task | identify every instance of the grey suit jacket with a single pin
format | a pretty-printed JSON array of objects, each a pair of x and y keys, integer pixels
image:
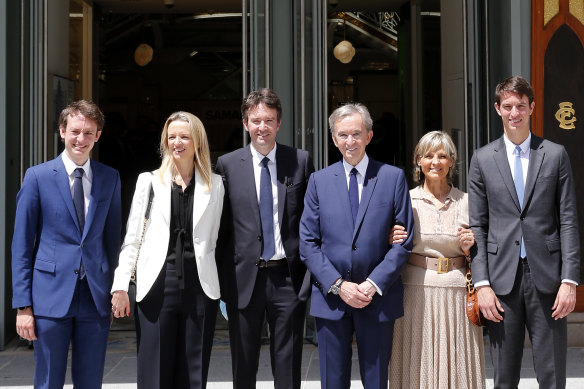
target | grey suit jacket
[{"x": 548, "y": 221}]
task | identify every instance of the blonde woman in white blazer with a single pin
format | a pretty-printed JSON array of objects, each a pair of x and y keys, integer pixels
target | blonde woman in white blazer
[{"x": 177, "y": 285}]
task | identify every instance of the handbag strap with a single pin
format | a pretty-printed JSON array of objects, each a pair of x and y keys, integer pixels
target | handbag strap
[
  {"x": 146, "y": 218},
  {"x": 469, "y": 285}
]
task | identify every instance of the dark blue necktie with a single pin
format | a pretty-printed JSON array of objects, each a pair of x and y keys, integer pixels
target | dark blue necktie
[
  {"x": 79, "y": 198},
  {"x": 267, "y": 212},
  {"x": 354, "y": 194},
  {"x": 79, "y": 202},
  {"x": 519, "y": 187}
]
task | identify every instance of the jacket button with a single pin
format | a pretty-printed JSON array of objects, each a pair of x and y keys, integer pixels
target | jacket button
[
  {"x": 522, "y": 218},
  {"x": 260, "y": 238},
  {"x": 76, "y": 271},
  {"x": 81, "y": 245},
  {"x": 517, "y": 243},
  {"x": 354, "y": 247}
]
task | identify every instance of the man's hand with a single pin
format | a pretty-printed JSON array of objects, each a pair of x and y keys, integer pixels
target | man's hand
[
  {"x": 25, "y": 327},
  {"x": 367, "y": 288},
  {"x": 565, "y": 301},
  {"x": 352, "y": 294},
  {"x": 489, "y": 304}
]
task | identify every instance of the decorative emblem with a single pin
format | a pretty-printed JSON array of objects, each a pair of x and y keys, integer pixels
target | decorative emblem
[{"x": 565, "y": 116}]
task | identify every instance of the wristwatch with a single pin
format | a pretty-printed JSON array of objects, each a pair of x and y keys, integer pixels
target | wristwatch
[
  {"x": 336, "y": 287},
  {"x": 23, "y": 308}
]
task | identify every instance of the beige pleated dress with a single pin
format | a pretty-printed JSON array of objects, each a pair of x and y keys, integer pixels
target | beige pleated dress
[{"x": 434, "y": 344}]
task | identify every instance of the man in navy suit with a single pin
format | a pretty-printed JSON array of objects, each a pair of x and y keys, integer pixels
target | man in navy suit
[
  {"x": 260, "y": 270},
  {"x": 64, "y": 251},
  {"x": 349, "y": 209}
]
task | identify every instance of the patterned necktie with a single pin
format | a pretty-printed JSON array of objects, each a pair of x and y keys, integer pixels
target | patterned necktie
[
  {"x": 267, "y": 212},
  {"x": 79, "y": 202},
  {"x": 519, "y": 187},
  {"x": 354, "y": 194}
]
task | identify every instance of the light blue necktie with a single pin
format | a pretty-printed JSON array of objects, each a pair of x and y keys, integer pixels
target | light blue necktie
[
  {"x": 267, "y": 212},
  {"x": 519, "y": 187}
]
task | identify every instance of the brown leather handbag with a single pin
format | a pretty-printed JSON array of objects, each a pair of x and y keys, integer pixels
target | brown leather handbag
[{"x": 472, "y": 304}]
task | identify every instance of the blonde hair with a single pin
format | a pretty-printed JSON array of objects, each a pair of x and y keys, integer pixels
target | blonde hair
[
  {"x": 202, "y": 159},
  {"x": 433, "y": 141}
]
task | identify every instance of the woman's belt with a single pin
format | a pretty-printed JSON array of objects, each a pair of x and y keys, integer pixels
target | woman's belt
[{"x": 440, "y": 265}]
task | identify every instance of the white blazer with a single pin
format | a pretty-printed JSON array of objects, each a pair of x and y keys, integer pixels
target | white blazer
[{"x": 207, "y": 208}]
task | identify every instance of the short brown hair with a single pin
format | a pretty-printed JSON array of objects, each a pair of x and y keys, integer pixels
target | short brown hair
[
  {"x": 262, "y": 96},
  {"x": 516, "y": 84},
  {"x": 85, "y": 107}
]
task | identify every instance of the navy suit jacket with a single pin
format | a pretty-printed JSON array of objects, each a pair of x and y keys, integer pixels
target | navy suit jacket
[
  {"x": 331, "y": 247},
  {"x": 48, "y": 245}
]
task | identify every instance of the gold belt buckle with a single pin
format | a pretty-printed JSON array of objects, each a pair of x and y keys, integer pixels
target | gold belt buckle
[{"x": 443, "y": 265}]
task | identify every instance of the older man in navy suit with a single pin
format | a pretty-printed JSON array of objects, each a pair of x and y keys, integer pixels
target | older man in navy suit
[
  {"x": 64, "y": 251},
  {"x": 349, "y": 209}
]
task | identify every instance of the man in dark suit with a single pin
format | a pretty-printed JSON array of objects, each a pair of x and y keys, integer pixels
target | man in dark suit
[
  {"x": 523, "y": 214},
  {"x": 349, "y": 210},
  {"x": 64, "y": 251},
  {"x": 259, "y": 266}
]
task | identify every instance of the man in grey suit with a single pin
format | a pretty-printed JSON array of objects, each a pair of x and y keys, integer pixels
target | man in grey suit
[{"x": 527, "y": 265}]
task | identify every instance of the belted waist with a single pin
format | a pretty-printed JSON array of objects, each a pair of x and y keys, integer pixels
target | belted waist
[
  {"x": 440, "y": 265},
  {"x": 273, "y": 263}
]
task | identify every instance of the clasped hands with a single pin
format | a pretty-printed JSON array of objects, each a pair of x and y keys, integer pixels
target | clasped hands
[{"x": 357, "y": 295}]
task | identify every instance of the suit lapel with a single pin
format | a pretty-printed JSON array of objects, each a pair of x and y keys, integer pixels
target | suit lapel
[
  {"x": 162, "y": 193},
  {"x": 62, "y": 183},
  {"x": 368, "y": 186},
  {"x": 200, "y": 200},
  {"x": 97, "y": 183},
  {"x": 536, "y": 155},
  {"x": 500, "y": 156},
  {"x": 281, "y": 182},
  {"x": 247, "y": 181},
  {"x": 341, "y": 191}
]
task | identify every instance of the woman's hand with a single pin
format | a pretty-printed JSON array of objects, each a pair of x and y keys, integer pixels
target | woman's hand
[
  {"x": 120, "y": 303},
  {"x": 398, "y": 234},
  {"x": 465, "y": 239}
]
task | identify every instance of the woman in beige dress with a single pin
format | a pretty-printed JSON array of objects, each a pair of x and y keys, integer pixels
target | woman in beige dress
[{"x": 434, "y": 344}]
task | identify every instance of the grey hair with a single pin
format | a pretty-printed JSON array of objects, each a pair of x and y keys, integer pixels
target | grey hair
[
  {"x": 433, "y": 141},
  {"x": 348, "y": 110}
]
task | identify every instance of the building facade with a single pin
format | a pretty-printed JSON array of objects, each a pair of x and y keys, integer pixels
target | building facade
[{"x": 419, "y": 65}]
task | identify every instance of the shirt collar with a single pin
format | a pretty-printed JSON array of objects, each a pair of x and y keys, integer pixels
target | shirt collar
[
  {"x": 257, "y": 156},
  {"x": 70, "y": 166},
  {"x": 524, "y": 146},
  {"x": 361, "y": 166}
]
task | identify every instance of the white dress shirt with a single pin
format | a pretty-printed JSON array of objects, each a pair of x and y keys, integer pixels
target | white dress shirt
[
  {"x": 87, "y": 179},
  {"x": 257, "y": 158},
  {"x": 361, "y": 169}
]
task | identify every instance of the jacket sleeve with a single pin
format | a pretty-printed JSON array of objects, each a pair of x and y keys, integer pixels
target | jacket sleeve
[
  {"x": 127, "y": 258},
  {"x": 478, "y": 205},
  {"x": 388, "y": 271},
  {"x": 311, "y": 254},
  {"x": 568, "y": 215},
  {"x": 26, "y": 223}
]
